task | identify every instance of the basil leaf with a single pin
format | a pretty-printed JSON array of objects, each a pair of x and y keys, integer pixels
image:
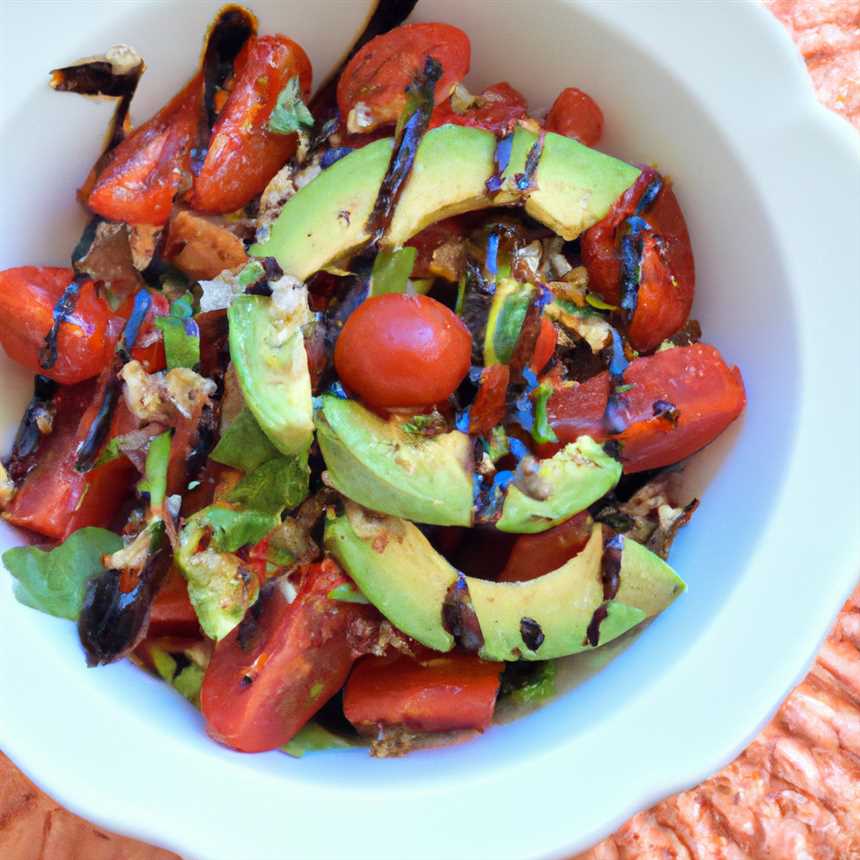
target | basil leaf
[
  {"x": 234, "y": 529},
  {"x": 278, "y": 484},
  {"x": 243, "y": 445},
  {"x": 312, "y": 737},
  {"x": 290, "y": 112},
  {"x": 154, "y": 479},
  {"x": 55, "y": 582},
  {"x": 539, "y": 687},
  {"x": 542, "y": 431},
  {"x": 181, "y": 341}
]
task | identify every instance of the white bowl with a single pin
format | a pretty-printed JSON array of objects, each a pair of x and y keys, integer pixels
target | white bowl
[{"x": 716, "y": 94}]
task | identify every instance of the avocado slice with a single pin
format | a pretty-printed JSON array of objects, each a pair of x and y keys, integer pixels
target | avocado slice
[
  {"x": 398, "y": 570},
  {"x": 574, "y": 187},
  {"x": 377, "y": 464},
  {"x": 573, "y": 478},
  {"x": 272, "y": 367}
]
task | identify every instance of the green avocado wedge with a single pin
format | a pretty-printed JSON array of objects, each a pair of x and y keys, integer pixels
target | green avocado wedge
[
  {"x": 377, "y": 464},
  {"x": 398, "y": 570},
  {"x": 573, "y": 187},
  {"x": 572, "y": 479},
  {"x": 272, "y": 368}
]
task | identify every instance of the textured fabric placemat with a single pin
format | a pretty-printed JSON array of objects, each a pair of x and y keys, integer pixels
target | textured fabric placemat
[{"x": 794, "y": 793}]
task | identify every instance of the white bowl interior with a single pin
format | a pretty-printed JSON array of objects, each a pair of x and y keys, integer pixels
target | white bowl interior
[{"x": 652, "y": 115}]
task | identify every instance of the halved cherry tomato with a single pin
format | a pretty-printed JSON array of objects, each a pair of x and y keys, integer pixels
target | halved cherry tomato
[
  {"x": 149, "y": 347},
  {"x": 681, "y": 399},
  {"x": 488, "y": 408},
  {"x": 535, "y": 555},
  {"x": 545, "y": 345},
  {"x": 668, "y": 277},
  {"x": 575, "y": 114},
  {"x": 440, "y": 693},
  {"x": 28, "y": 295},
  {"x": 172, "y": 613},
  {"x": 441, "y": 250},
  {"x": 243, "y": 154},
  {"x": 145, "y": 172},
  {"x": 496, "y": 109},
  {"x": 274, "y": 672},
  {"x": 398, "y": 350},
  {"x": 372, "y": 88}
]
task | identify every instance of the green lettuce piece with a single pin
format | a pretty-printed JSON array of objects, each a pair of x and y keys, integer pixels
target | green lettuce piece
[
  {"x": 539, "y": 687},
  {"x": 154, "y": 479},
  {"x": 243, "y": 445},
  {"x": 542, "y": 431},
  {"x": 187, "y": 681},
  {"x": 233, "y": 529},
  {"x": 312, "y": 737},
  {"x": 290, "y": 113},
  {"x": 391, "y": 271},
  {"x": 278, "y": 484},
  {"x": 55, "y": 582}
]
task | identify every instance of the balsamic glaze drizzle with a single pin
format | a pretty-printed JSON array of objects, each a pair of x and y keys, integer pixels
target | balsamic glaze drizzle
[
  {"x": 610, "y": 576},
  {"x": 64, "y": 307},
  {"x": 459, "y": 617},
  {"x": 525, "y": 181},
  {"x": 29, "y": 436},
  {"x": 531, "y": 633},
  {"x": 501, "y": 159},
  {"x": 630, "y": 248},
  {"x": 614, "y": 420}
]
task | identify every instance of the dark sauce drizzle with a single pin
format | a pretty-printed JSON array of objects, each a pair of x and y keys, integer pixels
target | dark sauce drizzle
[
  {"x": 98, "y": 430},
  {"x": 631, "y": 248},
  {"x": 531, "y": 633},
  {"x": 64, "y": 307},
  {"x": 459, "y": 617},
  {"x": 29, "y": 436},
  {"x": 501, "y": 159},
  {"x": 406, "y": 144},
  {"x": 610, "y": 575},
  {"x": 666, "y": 410},
  {"x": 614, "y": 420},
  {"x": 525, "y": 181}
]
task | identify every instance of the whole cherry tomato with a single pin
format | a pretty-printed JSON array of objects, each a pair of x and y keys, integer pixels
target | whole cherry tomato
[
  {"x": 680, "y": 400},
  {"x": 496, "y": 109},
  {"x": 28, "y": 295},
  {"x": 399, "y": 350},
  {"x": 270, "y": 675},
  {"x": 575, "y": 114},
  {"x": 146, "y": 171},
  {"x": 535, "y": 555},
  {"x": 667, "y": 279},
  {"x": 243, "y": 153},
  {"x": 372, "y": 88}
]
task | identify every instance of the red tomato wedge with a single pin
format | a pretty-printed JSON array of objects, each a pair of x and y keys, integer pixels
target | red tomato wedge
[
  {"x": 441, "y": 693},
  {"x": 372, "y": 88},
  {"x": 274, "y": 672},
  {"x": 576, "y": 114},
  {"x": 545, "y": 345},
  {"x": 399, "y": 350},
  {"x": 496, "y": 109},
  {"x": 706, "y": 394},
  {"x": 667, "y": 281},
  {"x": 243, "y": 154},
  {"x": 146, "y": 171},
  {"x": 488, "y": 410},
  {"x": 172, "y": 613},
  {"x": 28, "y": 295},
  {"x": 535, "y": 555}
]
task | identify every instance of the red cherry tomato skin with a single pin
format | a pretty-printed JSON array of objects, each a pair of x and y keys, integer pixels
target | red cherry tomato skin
[
  {"x": 145, "y": 172},
  {"x": 707, "y": 393},
  {"x": 267, "y": 679},
  {"x": 535, "y": 555},
  {"x": 243, "y": 154},
  {"x": 488, "y": 409},
  {"x": 439, "y": 693},
  {"x": 668, "y": 280},
  {"x": 399, "y": 351},
  {"x": 497, "y": 109},
  {"x": 576, "y": 114},
  {"x": 172, "y": 613},
  {"x": 545, "y": 345},
  {"x": 28, "y": 295},
  {"x": 430, "y": 239},
  {"x": 377, "y": 76}
]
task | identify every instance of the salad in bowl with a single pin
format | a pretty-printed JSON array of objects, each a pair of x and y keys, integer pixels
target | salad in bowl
[{"x": 355, "y": 411}]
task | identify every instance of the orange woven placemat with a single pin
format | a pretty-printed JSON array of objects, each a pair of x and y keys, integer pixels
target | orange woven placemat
[{"x": 794, "y": 793}]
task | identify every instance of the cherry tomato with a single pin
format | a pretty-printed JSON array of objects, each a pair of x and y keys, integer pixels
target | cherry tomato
[
  {"x": 28, "y": 295},
  {"x": 496, "y": 109},
  {"x": 243, "y": 154},
  {"x": 149, "y": 347},
  {"x": 535, "y": 555},
  {"x": 274, "y": 672},
  {"x": 374, "y": 82},
  {"x": 545, "y": 345},
  {"x": 145, "y": 172},
  {"x": 172, "y": 613},
  {"x": 668, "y": 277},
  {"x": 682, "y": 399},
  {"x": 398, "y": 350},
  {"x": 439, "y": 693},
  {"x": 441, "y": 250},
  {"x": 488, "y": 409},
  {"x": 575, "y": 114}
]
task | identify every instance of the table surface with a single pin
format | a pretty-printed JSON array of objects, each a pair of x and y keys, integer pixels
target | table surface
[{"x": 794, "y": 792}]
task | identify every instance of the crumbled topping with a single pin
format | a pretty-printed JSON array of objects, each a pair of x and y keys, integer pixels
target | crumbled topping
[
  {"x": 160, "y": 396},
  {"x": 219, "y": 292},
  {"x": 122, "y": 58},
  {"x": 7, "y": 487},
  {"x": 132, "y": 556},
  {"x": 360, "y": 119}
]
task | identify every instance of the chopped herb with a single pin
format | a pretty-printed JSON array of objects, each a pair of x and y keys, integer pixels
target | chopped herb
[
  {"x": 280, "y": 483},
  {"x": 539, "y": 687},
  {"x": 234, "y": 529},
  {"x": 243, "y": 445},
  {"x": 154, "y": 481},
  {"x": 290, "y": 113},
  {"x": 181, "y": 334},
  {"x": 542, "y": 431},
  {"x": 312, "y": 737}
]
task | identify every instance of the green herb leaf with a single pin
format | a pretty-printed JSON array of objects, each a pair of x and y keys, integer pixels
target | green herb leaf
[
  {"x": 252, "y": 273},
  {"x": 391, "y": 271},
  {"x": 187, "y": 681},
  {"x": 497, "y": 445},
  {"x": 244, "y": 445},
  {"x": 312, "y": 737},
  {"x": 542, "y": 431},
  {"x": 234, "y": 529},
  {"x": 154, "y": 479},
  {"x": 55, "y": 582},
  {"x": 539, "y": 687},
  {"x": 290, "y": 113},
  {"x": 281, "y": 483},
  {"x": 181, "y": 334},
  {"x": 347, "y": 593}
]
